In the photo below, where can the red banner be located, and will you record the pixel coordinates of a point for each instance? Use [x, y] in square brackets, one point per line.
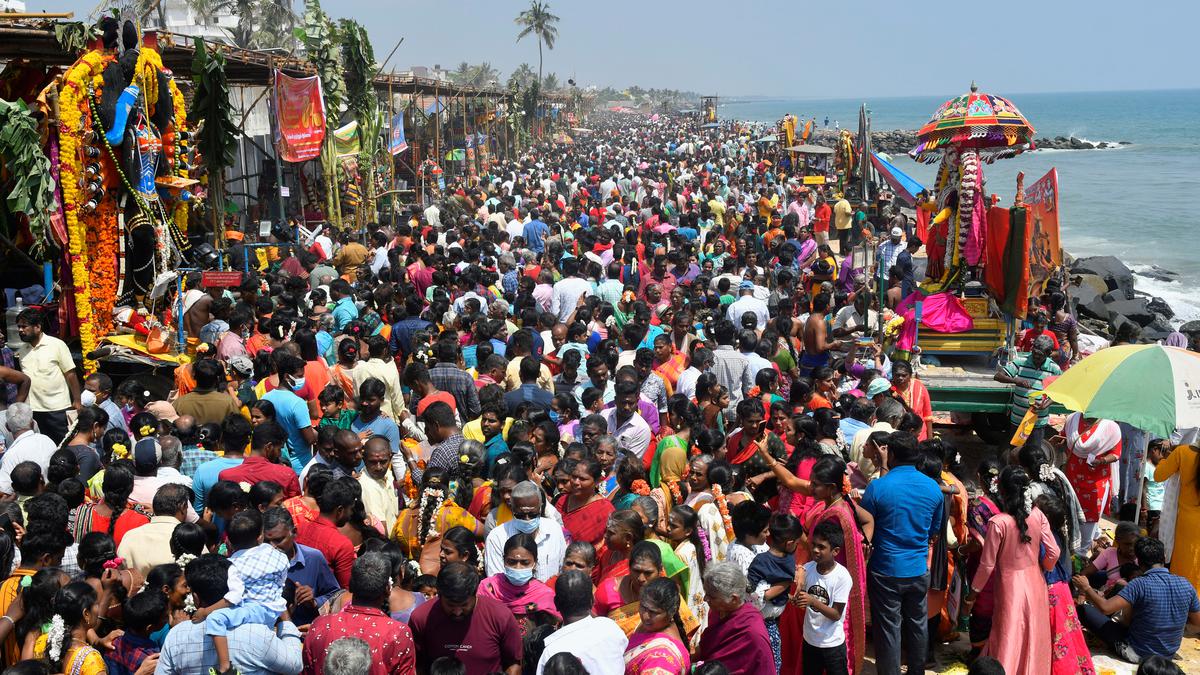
[1045, 251]
[300, 115]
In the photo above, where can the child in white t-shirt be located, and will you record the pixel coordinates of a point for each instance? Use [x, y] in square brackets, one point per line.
[826, 587]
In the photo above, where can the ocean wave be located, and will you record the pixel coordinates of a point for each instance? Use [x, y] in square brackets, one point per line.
[1182, 297]
[1099, 145]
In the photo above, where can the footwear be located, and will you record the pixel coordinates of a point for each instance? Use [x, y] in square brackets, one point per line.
[1126, 652]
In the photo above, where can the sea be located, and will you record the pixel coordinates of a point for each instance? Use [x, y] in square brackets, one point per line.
[1136, 202]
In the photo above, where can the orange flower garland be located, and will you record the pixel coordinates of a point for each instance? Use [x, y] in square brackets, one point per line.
[102, 250]
[179, 148]
[72, 110]
[723, 506]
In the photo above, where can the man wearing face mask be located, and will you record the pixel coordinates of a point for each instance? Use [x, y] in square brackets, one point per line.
[291, 411]
[526, 503]
[477, 630]
[97, 391]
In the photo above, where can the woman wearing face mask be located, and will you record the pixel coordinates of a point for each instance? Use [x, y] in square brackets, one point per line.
[515, 586]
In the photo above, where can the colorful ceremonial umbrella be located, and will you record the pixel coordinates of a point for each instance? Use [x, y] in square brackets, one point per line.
[978, 120]
[1151, 387]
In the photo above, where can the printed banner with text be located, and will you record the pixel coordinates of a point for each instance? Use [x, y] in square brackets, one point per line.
[1045, 252]
[300, 111]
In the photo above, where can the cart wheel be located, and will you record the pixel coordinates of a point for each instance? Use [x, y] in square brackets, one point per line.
[992, 428]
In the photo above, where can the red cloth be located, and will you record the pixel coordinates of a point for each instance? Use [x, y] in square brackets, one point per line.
[923, 223]
[997, 252]
[489, 642]
[1025, 344]
[339, 552]
[393, 651]
[255, 469]
[586, 523]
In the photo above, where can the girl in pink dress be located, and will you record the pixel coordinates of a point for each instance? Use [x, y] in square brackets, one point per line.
[1020, 638]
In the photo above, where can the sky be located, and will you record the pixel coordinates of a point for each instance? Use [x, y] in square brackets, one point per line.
[779, 48]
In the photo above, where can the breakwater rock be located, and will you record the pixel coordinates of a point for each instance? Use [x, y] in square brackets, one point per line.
[1073, 143]
[1104, 298]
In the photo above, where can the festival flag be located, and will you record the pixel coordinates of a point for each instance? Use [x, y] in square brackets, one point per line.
[300, 112]
[1045, 252]
[396, 142]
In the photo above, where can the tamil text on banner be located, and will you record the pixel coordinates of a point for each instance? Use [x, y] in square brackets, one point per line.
[300, 110]
[396, 142]
[1045, 253]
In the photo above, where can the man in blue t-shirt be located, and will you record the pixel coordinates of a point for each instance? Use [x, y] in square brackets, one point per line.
[535, 232]
[291, 411]
[1161, 604]
[908, 509]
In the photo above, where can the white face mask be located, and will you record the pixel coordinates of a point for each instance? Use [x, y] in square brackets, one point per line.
[87, 397]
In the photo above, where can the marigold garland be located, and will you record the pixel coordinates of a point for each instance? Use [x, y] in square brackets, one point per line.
[723, 506]
[179, 151]
[72, 102]
[149, 64]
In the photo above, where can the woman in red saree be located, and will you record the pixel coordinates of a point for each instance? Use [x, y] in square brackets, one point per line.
[828, 486]
[914, 395]
[584, 512]
[1095, 447]
[618, 597]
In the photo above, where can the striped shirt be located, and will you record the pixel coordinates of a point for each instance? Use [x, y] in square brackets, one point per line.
[1023, 368]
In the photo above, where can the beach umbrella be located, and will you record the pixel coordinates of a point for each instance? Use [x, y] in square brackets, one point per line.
[988, 123]
[905, 187]
[1151, 387]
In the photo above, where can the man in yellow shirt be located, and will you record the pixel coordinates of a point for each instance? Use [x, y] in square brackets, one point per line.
[718, 210]
[843, 217]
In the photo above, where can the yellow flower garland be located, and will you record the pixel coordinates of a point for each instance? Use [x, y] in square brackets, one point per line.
[72, 103]
[149, 64]
[180, 125]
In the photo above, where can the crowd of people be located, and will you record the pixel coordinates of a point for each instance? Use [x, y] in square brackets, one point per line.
[605, 409]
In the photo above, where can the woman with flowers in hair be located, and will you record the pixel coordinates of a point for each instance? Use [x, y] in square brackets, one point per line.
[65, 646]
[113, 514]
[418, 530]
[708, 480]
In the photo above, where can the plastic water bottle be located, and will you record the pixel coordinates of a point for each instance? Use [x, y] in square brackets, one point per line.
[10, 319]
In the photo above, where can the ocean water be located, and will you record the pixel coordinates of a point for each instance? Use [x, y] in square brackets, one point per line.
[1137, 202]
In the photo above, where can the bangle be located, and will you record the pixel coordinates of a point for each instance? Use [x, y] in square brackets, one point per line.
[10, 619]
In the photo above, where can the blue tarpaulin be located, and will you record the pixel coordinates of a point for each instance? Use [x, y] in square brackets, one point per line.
[904, 186]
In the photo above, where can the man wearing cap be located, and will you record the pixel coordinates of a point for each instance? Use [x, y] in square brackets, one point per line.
[888, 252]
[748, 303]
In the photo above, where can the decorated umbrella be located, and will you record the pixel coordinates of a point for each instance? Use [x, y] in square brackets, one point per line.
[988, 123]
[1152, 387]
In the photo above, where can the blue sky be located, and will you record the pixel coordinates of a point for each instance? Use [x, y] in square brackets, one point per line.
[801, 49]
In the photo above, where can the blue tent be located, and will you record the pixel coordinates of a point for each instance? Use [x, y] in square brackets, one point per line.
[904, 186]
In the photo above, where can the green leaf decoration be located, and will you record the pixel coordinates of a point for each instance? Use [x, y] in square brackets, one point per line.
[32, 189]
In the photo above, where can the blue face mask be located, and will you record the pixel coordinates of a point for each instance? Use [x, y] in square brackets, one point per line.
[298, 384]
[526, 526]
[554, 416]
[518, 577]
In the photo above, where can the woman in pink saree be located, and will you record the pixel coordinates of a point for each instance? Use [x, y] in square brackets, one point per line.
[656, 647]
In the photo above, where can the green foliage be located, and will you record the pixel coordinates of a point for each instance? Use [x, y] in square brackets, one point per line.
[361, 68]
[321, 41]
[30, 184]
[73, 36]
[217, 141]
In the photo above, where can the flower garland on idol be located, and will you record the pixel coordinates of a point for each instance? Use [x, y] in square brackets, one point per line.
[73, 104]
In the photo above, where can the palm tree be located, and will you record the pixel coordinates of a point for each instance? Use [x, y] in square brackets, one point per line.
[522, 77]
[550, 83]
[461, 74]
[484, 74]
[538, 21]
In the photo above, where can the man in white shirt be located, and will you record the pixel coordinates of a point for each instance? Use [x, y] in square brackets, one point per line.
[568, 290]
[625, 422]
[433, 216]
[516, 226]
[27, 445]
[748, 303]
[702, 360]
[526, 505]
[54, 387]
[597, 641]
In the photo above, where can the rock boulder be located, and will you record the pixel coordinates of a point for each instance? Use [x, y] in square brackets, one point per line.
[1160, 307]
[1090, 303]
[1114, 272]
[1136, 310]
